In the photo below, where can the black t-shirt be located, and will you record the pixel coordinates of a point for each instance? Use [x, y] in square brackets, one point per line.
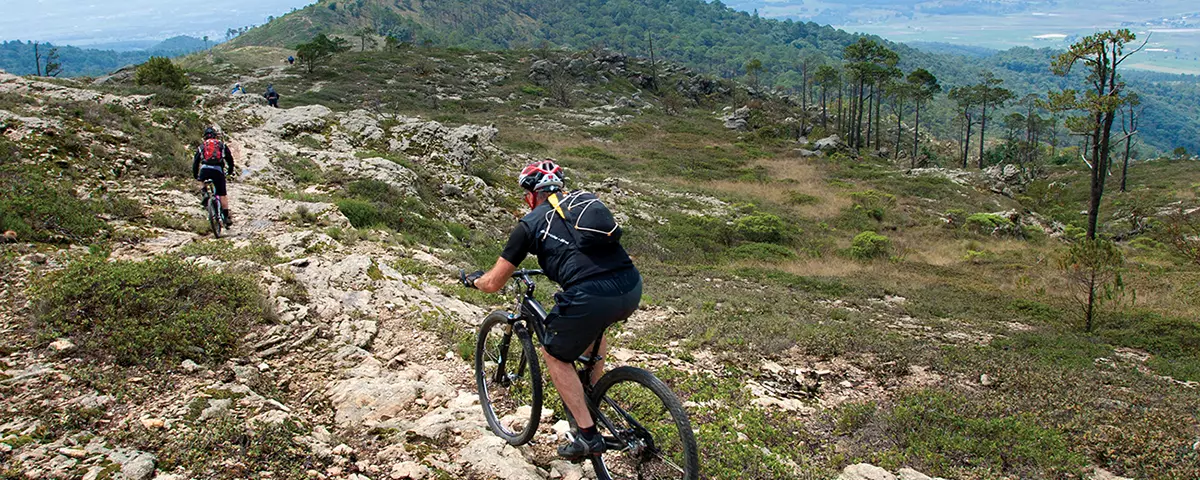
[543, 233]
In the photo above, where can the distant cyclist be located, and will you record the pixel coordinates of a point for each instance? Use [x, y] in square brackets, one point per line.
[210, 163]
[271, 96]
[600, 287]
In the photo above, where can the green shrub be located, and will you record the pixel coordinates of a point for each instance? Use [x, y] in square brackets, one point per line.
[533, 90]
[764, 252]
[304, 171]
[955, 217]
[162, 72]
[875, 204]
[797, 198]
[150, 313]
[40, 208]
[990, 224]
[360, 214]
[946, 432]
[868, 245]
[761, 227]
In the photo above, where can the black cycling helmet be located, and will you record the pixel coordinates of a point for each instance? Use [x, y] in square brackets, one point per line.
[210, 132]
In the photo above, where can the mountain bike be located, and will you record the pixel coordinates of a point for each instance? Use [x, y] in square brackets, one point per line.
[645, 428]
[212, 204]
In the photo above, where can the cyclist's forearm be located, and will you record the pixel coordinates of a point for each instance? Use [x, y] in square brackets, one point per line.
[494, 279]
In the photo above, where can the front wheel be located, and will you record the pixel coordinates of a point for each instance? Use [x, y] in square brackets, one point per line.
[509, 379]
[651, 437]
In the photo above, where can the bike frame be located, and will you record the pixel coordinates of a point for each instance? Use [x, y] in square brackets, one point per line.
[530, 311]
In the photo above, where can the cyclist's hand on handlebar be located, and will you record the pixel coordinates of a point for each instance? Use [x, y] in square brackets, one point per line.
[469, 280]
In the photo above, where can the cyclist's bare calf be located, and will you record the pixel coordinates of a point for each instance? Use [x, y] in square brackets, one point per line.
[567, 381]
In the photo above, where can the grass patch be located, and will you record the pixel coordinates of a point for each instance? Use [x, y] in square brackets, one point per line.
[41, 208]
[944, 433]
[151, 313]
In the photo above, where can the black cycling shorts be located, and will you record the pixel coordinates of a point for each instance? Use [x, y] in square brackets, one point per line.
[218, 178]
[584, 311]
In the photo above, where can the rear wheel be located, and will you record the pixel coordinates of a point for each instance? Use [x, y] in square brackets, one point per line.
[214, 216]
[509, 379]
[649, 434]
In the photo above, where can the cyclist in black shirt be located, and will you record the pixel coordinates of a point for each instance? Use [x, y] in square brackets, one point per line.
[599, 288]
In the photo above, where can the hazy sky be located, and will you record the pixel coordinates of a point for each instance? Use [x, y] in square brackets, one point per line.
[83, 22]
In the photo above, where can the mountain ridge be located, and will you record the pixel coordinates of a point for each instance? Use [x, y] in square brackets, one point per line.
[709, 37]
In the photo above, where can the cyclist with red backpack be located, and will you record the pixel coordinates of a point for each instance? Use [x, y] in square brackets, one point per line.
[209, 164]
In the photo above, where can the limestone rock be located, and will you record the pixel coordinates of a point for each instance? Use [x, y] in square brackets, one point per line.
[409, 470]
[62, 345]
[865, 471]
[383, 170]
[1102, 474]
[738, 120]
[490, 455]
[361, 125]
[216, 409]
[368, 401]
[189, 366]
[910, 474]
[290, 122]
[135, 465]
[831, 142]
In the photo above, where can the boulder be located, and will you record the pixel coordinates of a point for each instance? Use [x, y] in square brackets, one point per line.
[366, 401]
[865, 471]
[738, 120]
[492, 456]
[541, 72]
[1102, 474]
[135, 465]
[831, 142]
[910, 474]
[362, 126]
[290, 122]
[383, 170]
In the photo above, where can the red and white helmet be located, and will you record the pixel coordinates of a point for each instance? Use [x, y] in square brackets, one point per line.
[542, 176]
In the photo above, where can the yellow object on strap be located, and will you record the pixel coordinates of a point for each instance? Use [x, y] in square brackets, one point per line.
[557, 207]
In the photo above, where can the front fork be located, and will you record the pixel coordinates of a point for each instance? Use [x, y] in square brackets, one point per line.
[501, 377]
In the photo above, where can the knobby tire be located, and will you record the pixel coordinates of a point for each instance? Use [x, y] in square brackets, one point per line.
[521, 359]
[683, 462]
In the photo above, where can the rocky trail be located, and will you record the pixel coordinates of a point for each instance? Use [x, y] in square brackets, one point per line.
[353, 357]
[355, 365]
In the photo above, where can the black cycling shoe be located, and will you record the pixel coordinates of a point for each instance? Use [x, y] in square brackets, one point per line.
[580, 448]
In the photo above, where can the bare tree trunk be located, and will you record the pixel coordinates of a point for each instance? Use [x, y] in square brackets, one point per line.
[982, 128]
[858, 115]
[653, 63]
[1125, 163]
[916, 134]
[878, 117]
[967, 142]
[37, 58]
[824, 111]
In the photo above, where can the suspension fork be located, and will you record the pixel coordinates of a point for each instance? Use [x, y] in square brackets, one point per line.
[499, 377]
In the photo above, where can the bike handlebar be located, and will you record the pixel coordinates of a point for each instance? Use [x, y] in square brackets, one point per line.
[527, 273]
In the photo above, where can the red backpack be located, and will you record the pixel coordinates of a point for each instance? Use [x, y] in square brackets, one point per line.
[212, 152]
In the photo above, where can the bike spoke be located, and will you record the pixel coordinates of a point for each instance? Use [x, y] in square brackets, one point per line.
[651, 447]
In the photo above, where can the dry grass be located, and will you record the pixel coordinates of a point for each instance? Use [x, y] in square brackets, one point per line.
[829, 266]
[791, 177]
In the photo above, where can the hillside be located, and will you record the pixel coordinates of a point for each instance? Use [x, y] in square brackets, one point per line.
[711, 38]
[17, 57]
[333, 342]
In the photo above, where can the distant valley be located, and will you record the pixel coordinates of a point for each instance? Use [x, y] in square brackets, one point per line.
[1173, 25]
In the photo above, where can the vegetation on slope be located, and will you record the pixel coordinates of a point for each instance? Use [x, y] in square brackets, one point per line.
[710, 37]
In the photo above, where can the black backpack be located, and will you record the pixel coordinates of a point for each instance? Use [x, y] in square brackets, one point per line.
[589, 221]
